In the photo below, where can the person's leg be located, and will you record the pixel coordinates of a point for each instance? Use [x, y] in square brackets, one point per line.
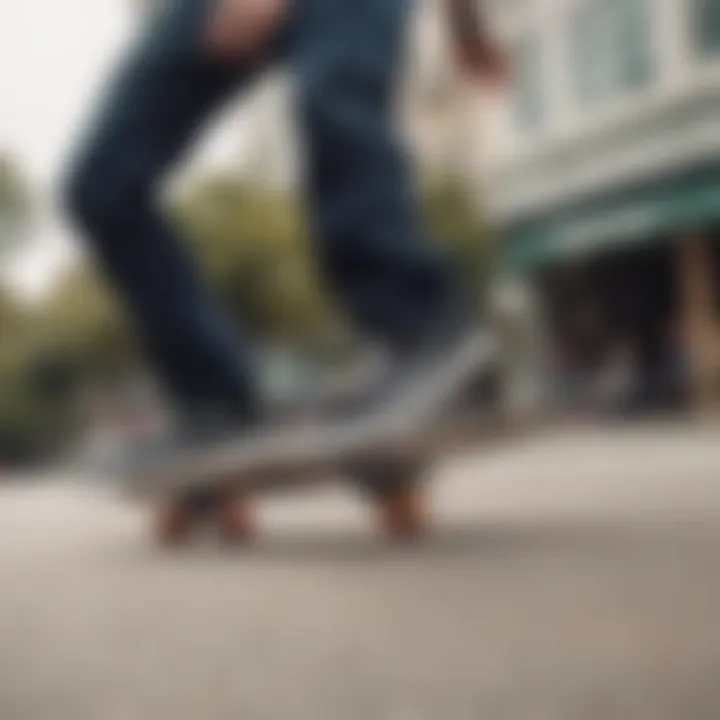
[372, 245]
[156, 105]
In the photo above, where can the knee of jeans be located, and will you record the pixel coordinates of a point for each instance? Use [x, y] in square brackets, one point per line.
[317, 104]
[331, 90]
[98, 193]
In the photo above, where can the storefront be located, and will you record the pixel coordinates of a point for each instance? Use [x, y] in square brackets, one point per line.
[630, 281]
[603, 177]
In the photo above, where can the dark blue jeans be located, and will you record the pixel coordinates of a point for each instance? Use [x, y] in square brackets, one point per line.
[371, 245]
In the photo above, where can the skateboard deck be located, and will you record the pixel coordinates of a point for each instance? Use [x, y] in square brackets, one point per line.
[387, 464]
[416, 427]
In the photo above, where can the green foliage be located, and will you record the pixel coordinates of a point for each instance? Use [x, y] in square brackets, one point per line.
[453, 216]
[15, 204]
[21, 416]
[82, 326]
[46, 353]
[254, 248]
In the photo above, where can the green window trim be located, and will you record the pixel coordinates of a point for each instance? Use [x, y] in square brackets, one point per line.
[659, 217]
[706, 26]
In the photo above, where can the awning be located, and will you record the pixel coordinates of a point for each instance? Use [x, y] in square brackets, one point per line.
[646, 215]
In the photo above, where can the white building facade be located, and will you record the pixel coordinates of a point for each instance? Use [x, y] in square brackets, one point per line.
[609, 141]
[609, 94]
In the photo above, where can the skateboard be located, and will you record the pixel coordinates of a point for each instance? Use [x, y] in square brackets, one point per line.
[391, 473]
[387, 454]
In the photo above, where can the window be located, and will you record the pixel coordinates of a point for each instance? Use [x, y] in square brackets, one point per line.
[635, 41]
[611, 49]
[591, 62]
[706, 26]
[529, 95]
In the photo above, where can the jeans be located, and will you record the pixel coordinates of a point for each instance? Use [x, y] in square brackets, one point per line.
[344, 56]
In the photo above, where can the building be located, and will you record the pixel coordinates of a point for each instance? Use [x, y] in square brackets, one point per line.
[603, 175]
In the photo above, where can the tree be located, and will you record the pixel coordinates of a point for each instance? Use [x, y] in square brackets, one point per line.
[83, 323]
[15, 204]
[253, 246]
[18, 413]
[455, 221]
[47, 355]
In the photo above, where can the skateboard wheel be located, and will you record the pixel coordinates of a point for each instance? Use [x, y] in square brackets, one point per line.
[403, 511]
[235, 517]
[397, 492]
[174, 522]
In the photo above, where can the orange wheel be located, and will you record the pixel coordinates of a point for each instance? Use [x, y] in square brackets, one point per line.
[235, 517]
[404, 512]
[174, 523]
[399, 497]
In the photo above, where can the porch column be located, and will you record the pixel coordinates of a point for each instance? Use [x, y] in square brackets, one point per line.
[698, 318]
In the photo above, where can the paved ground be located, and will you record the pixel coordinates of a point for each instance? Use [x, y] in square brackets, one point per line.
[572, 578]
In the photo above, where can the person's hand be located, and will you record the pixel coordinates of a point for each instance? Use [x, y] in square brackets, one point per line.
[241, 29]
[476, 50]
[485, 63]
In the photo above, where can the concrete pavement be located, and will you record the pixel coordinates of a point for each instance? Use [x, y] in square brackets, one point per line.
[573, 576]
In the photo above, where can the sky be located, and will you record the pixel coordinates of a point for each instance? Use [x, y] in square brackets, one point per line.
[52, 55]
[53, 58]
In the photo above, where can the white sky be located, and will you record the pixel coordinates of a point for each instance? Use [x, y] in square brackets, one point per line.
[53, 56]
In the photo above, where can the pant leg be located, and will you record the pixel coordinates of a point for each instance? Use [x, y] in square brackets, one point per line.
[153, 111]
[372, 244]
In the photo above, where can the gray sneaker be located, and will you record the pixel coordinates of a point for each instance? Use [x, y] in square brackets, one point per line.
[435, 379]
[384, 400]
[418, 381]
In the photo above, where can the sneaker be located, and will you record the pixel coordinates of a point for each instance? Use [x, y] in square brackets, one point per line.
[438, 376]
[415, 383]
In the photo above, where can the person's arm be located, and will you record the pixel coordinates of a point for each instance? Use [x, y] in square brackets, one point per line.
[476, 48]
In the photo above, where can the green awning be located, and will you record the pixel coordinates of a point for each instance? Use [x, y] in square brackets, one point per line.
[625, 221]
